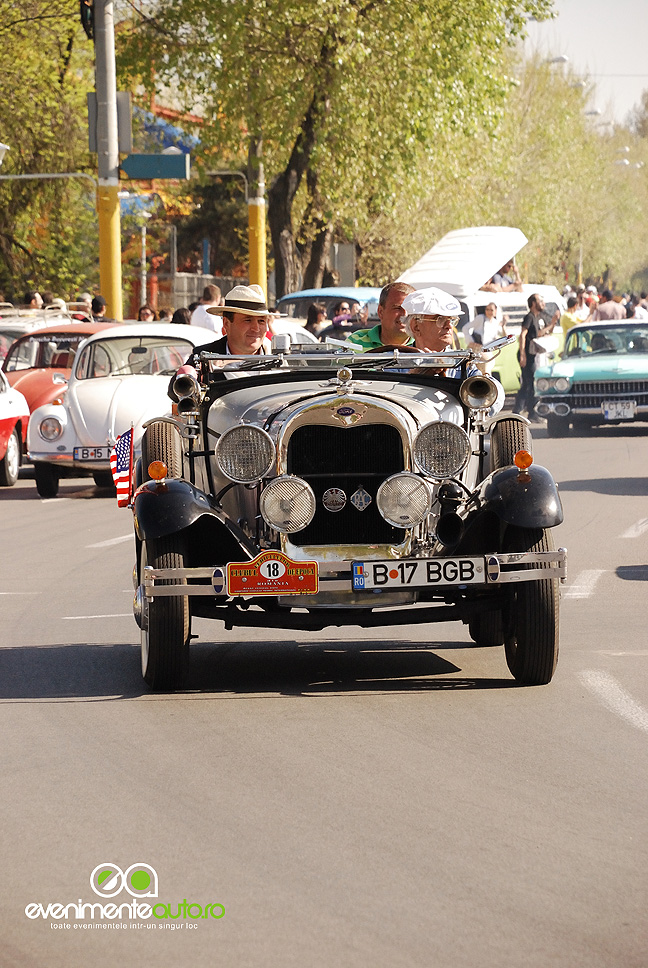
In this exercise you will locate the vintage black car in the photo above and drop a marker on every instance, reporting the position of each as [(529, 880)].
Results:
[(312, 489)]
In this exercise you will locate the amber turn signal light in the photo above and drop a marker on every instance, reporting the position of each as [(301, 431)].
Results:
[(157, 470), (523, 459)]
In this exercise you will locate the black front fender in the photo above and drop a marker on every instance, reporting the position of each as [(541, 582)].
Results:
[(526, 499), (165, 507)]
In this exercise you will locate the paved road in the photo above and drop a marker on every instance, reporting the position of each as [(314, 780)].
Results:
[(352, 799)]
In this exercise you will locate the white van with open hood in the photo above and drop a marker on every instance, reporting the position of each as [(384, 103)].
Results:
[(464, 260)]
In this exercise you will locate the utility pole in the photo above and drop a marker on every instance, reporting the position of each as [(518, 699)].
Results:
[(108, 159), (256, 215)]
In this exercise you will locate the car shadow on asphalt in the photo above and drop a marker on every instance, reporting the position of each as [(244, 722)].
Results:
[(618, 486), (96, 673), (72, 488)]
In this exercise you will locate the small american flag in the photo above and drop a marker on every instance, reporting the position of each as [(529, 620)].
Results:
[(121, 465)]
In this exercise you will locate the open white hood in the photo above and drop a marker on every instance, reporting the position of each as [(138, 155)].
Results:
[(463, 260)]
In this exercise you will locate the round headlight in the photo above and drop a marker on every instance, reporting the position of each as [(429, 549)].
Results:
[(245, 454), (562, 384), (542, 384), (50, 428), (404, 500), (288, 504), (478, 392), (442, 450)]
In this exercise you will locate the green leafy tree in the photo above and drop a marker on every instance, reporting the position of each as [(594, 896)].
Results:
[(545, 168), (344, 95), (45, 73)]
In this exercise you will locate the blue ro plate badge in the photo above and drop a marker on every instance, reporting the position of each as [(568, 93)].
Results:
[(418, 573)]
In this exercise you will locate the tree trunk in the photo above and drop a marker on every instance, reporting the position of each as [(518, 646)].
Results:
[(285, 186), (319, 253)]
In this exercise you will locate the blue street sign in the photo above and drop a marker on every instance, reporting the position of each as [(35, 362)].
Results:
[(147, 167)]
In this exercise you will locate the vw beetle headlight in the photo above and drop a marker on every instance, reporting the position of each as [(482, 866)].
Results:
[(441, 450), (245, 454), (50, 428), (288, 504), (404, 500)]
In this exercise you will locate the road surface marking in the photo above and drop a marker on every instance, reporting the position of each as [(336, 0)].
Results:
[(583, 586), (111, 541), (76, 618), (615, 698), (636, 530), (19, 593)]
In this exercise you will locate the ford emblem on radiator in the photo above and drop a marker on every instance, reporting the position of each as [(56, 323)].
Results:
[(360, 499), (334, 499)]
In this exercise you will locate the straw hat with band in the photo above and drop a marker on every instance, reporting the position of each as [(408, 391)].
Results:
[(248, 300)]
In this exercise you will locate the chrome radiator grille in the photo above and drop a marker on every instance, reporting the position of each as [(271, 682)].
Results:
[(352, 459), (591, 394)]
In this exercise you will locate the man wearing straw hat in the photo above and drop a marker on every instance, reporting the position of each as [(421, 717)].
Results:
[(246, 318)]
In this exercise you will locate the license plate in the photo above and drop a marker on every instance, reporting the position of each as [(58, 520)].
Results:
[(272, 573), (422, 572), (92, 453), (619, 409)]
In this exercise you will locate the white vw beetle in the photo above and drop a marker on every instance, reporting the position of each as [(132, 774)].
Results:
[(120, 377)]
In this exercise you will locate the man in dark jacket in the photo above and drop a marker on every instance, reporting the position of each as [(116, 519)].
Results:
[(535, 324), (246, 318)]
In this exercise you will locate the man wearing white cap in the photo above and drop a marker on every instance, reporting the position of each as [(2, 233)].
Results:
[(245, 324), (432, 315)]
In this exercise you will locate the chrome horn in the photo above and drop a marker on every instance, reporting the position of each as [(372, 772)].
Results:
[(187, 390), (478, 392)]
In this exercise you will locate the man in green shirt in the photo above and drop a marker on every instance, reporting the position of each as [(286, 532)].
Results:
[(390, 331)]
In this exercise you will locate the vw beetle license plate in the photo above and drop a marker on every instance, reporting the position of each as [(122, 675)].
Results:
[(421, 572), (92, 453), (619, 409)]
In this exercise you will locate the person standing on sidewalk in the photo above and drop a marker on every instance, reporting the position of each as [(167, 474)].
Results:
[(535, 324)]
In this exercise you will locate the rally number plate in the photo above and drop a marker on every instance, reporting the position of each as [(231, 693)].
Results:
[(417, 573), (92, 453), (272, 573), (619, 409)]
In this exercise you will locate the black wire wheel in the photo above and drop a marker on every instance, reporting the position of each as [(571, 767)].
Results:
[(531, 621), (165, 621)]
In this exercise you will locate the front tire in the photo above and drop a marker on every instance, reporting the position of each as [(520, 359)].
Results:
[(557, 426), (103, 479), (47, 479), (166, 624), (10, 463), (487, 629), (531, 626)]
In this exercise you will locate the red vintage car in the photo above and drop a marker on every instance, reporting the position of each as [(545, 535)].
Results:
[(14, 417), (40, 362)]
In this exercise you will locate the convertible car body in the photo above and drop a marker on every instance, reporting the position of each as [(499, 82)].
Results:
[(310, 489)]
